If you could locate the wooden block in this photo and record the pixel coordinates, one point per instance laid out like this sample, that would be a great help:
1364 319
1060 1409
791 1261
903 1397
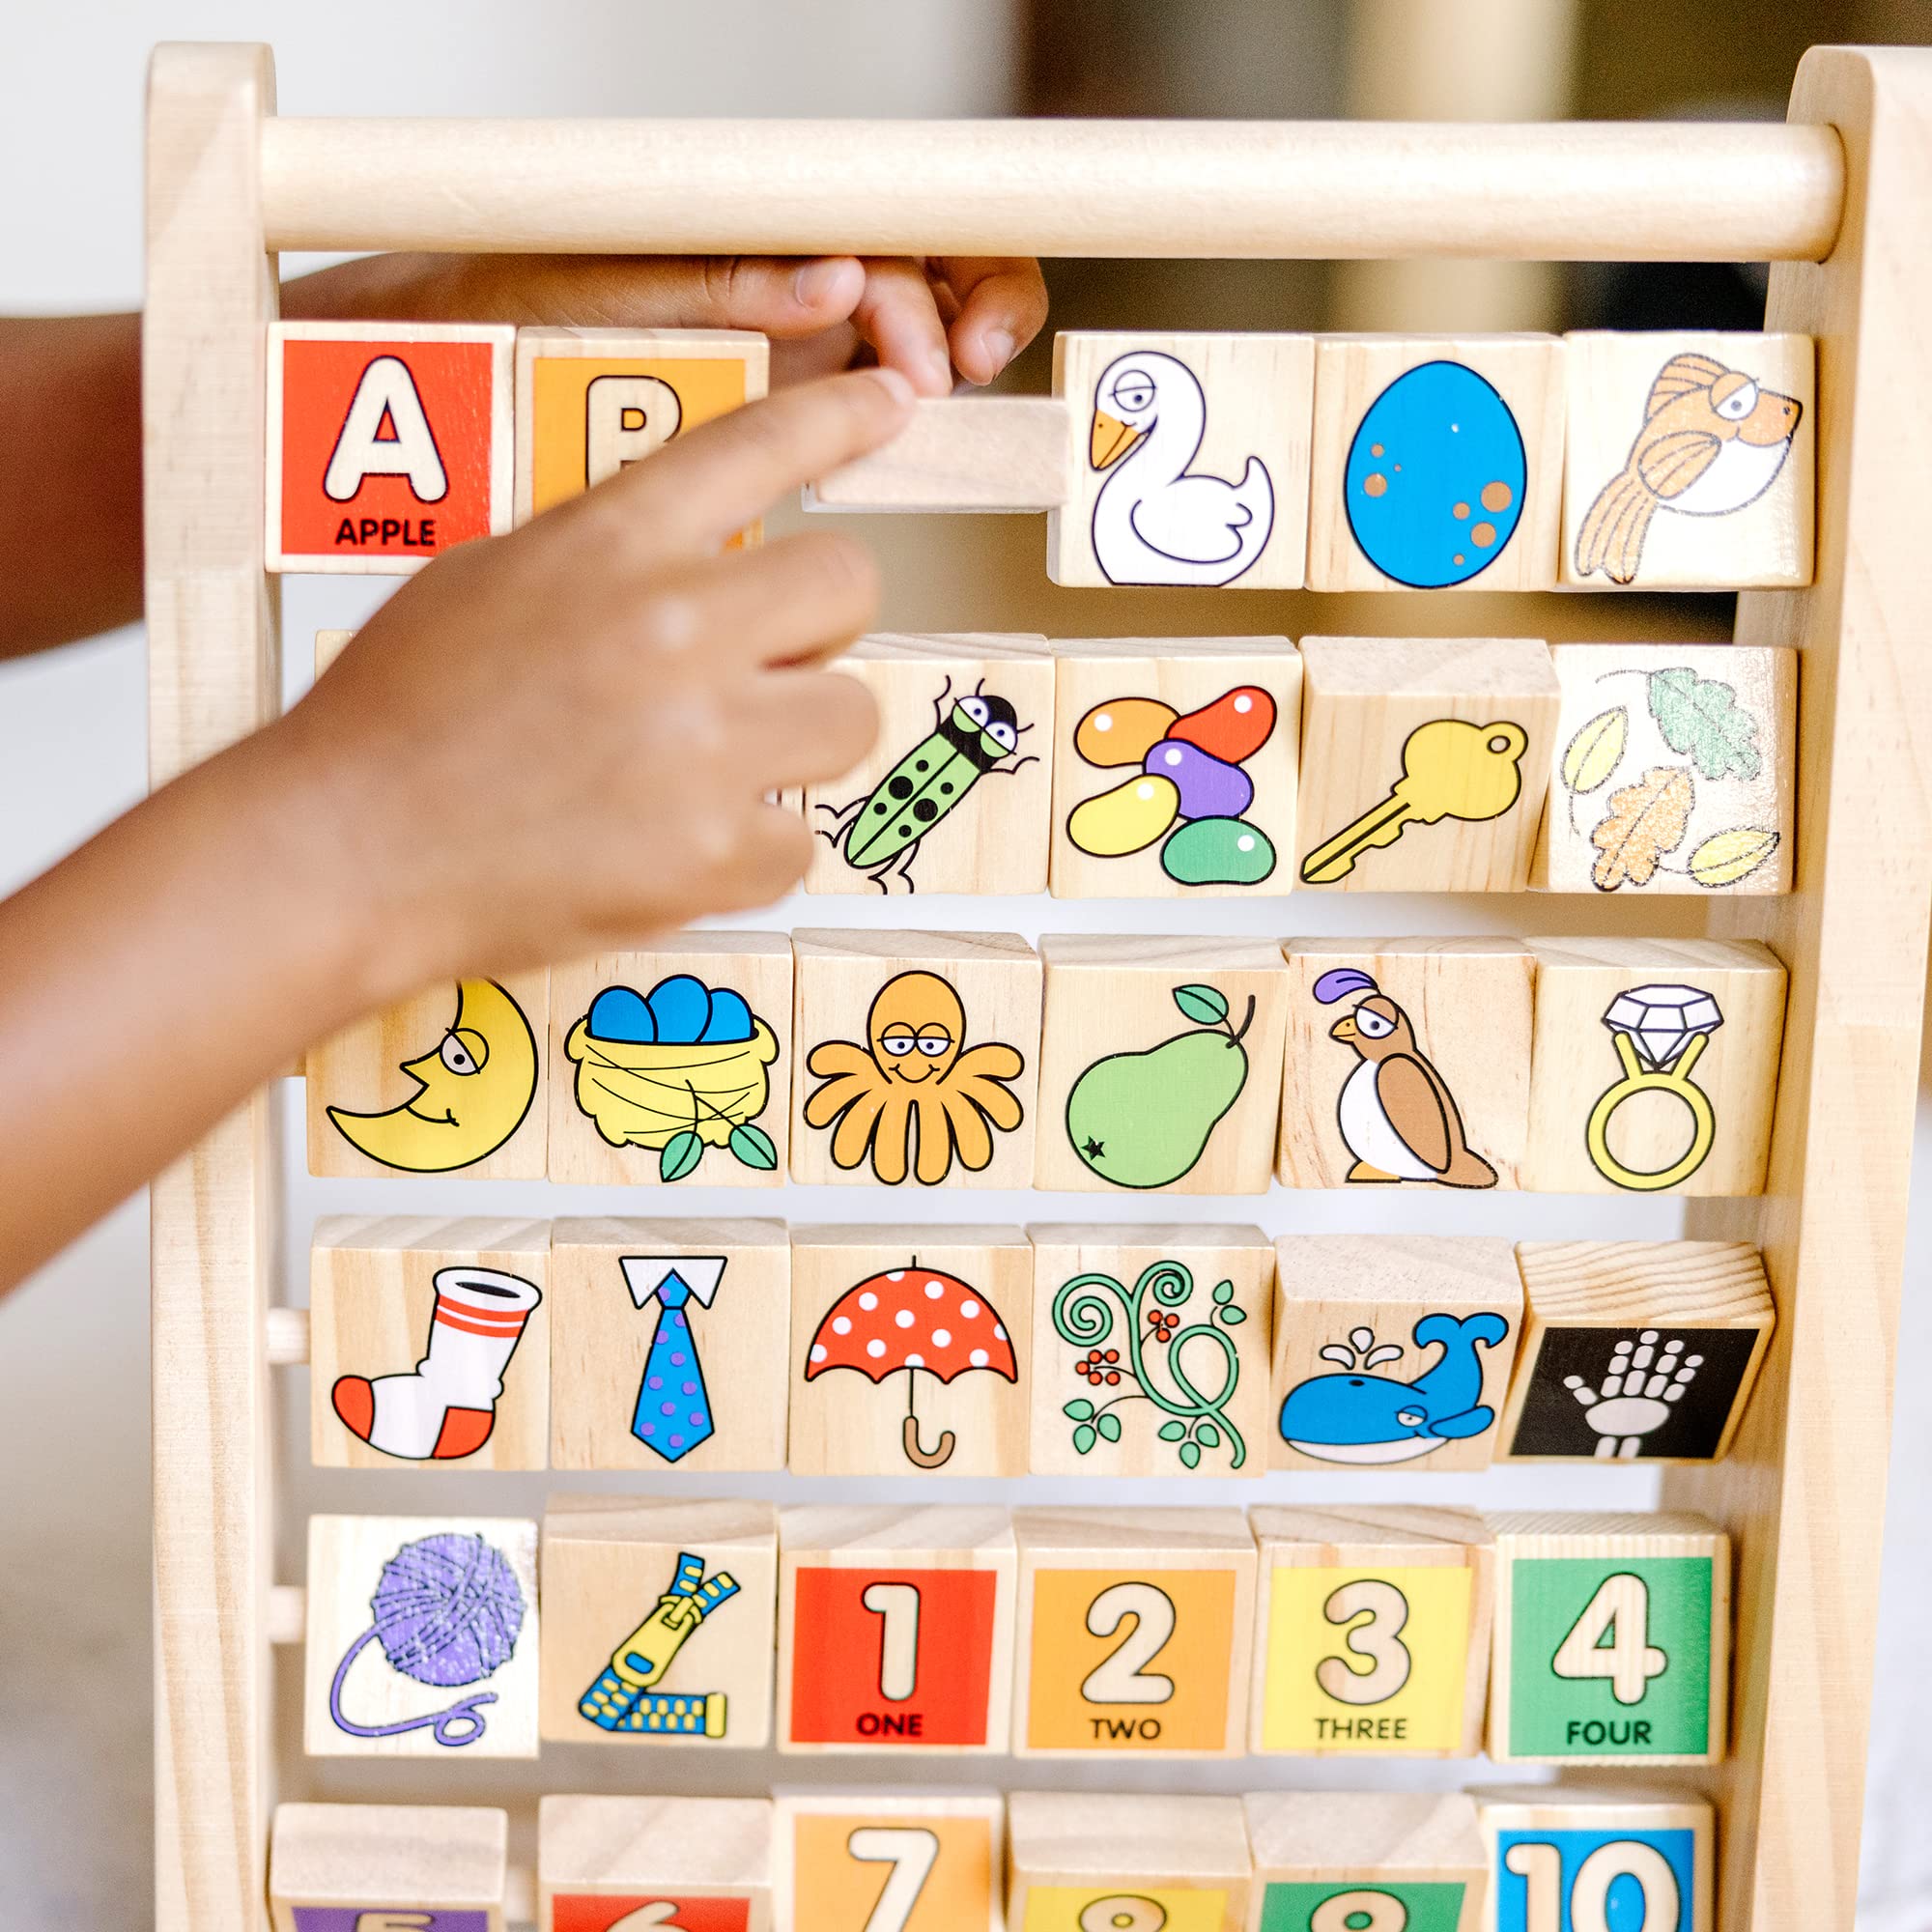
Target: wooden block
955 793
1372 1631
876 1863
1655 1064
920 1058
1688 461
1457 728
448 1082
1135 1632
1407 1060
1635 1349
591 401
896 1629
988 454
657 1621
1613 1639
387 1867
1189 459
674 1063
1437 463
699 1864
1150 1350
1676 770
619 1357
429 1343
1391 1349
389 442
453 1601
909 1349
1096 1862
1556 1851
1390 1860
1161 1065
1174 767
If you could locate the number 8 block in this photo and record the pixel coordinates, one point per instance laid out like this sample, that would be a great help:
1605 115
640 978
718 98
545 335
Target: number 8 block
1364 1861
1572 1859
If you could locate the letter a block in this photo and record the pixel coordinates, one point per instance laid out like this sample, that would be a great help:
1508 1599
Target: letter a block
889 1864
387 1869
702 1864
1613 1639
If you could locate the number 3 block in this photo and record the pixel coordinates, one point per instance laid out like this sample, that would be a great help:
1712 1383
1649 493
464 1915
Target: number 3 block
1559 1855
1613 1639
1366 1862
888 1864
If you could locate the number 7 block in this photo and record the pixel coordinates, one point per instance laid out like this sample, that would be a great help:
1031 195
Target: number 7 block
888 1864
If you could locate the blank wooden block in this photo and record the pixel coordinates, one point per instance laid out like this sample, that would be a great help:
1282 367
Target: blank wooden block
1161 1064
1174 767
865 1863
987 454
1613 1639
1135 1632
1676 770
592 400
1407 1062
1437 463
1688 460
896 1629
955 793
1439 748
702 1864
1372 1631
389 442
1090 1862
422 1636
1636 1350
1190 458
674 1063
1400 1858
373 1868
657 1621
909 1349
1655 1064
1391 1351
919 1058
633 1360
448 1082
1150 1350
429 1343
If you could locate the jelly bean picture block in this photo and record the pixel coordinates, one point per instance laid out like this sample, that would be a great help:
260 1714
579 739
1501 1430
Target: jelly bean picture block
608 1863
896 1629
955 793
1637 1351
1655 1064
1189 459
358 1867
429 1343
1437 463
976 454
1135 1632
1150 1350
1676 770
1174 767
668 1344
1613 1639
899 1864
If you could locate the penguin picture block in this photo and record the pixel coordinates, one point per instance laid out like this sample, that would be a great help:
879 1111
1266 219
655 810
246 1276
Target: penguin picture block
1407 1064
985 455
1189 462
1689 461
1174 767
429 1343
1636 1350
608 1861
928 1863
1437 463
1372 1631
430 1867
1391 1352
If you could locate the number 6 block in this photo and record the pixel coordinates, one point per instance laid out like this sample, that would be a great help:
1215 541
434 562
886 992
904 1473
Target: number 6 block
1613 1639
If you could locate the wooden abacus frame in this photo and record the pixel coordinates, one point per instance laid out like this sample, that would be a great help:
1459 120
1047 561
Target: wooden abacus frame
1838 200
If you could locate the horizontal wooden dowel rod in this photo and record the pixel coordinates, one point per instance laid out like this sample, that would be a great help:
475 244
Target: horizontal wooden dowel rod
285 1337
1325 191
287 1620
983 454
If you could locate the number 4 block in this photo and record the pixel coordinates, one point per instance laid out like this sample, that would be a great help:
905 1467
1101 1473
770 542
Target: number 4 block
1366 1862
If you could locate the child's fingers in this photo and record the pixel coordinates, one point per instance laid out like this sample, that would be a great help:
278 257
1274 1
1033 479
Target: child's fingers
899 317
788 603
815 724
772 849
1001 308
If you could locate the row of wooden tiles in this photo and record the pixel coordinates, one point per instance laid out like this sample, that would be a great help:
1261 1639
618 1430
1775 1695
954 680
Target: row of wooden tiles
1534 1858
1189 1065
1057 1350
1681 460
1036 1631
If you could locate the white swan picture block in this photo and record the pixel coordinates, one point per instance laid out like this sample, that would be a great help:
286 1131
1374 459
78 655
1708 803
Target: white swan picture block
1189 459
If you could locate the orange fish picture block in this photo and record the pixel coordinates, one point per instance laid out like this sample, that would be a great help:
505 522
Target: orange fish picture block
903 1864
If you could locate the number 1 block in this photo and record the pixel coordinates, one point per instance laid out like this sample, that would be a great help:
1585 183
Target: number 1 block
1366 1862
888 1864
702 1864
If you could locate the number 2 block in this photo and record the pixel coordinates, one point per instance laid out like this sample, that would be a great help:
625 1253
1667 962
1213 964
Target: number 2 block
1364 1861
888 1864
